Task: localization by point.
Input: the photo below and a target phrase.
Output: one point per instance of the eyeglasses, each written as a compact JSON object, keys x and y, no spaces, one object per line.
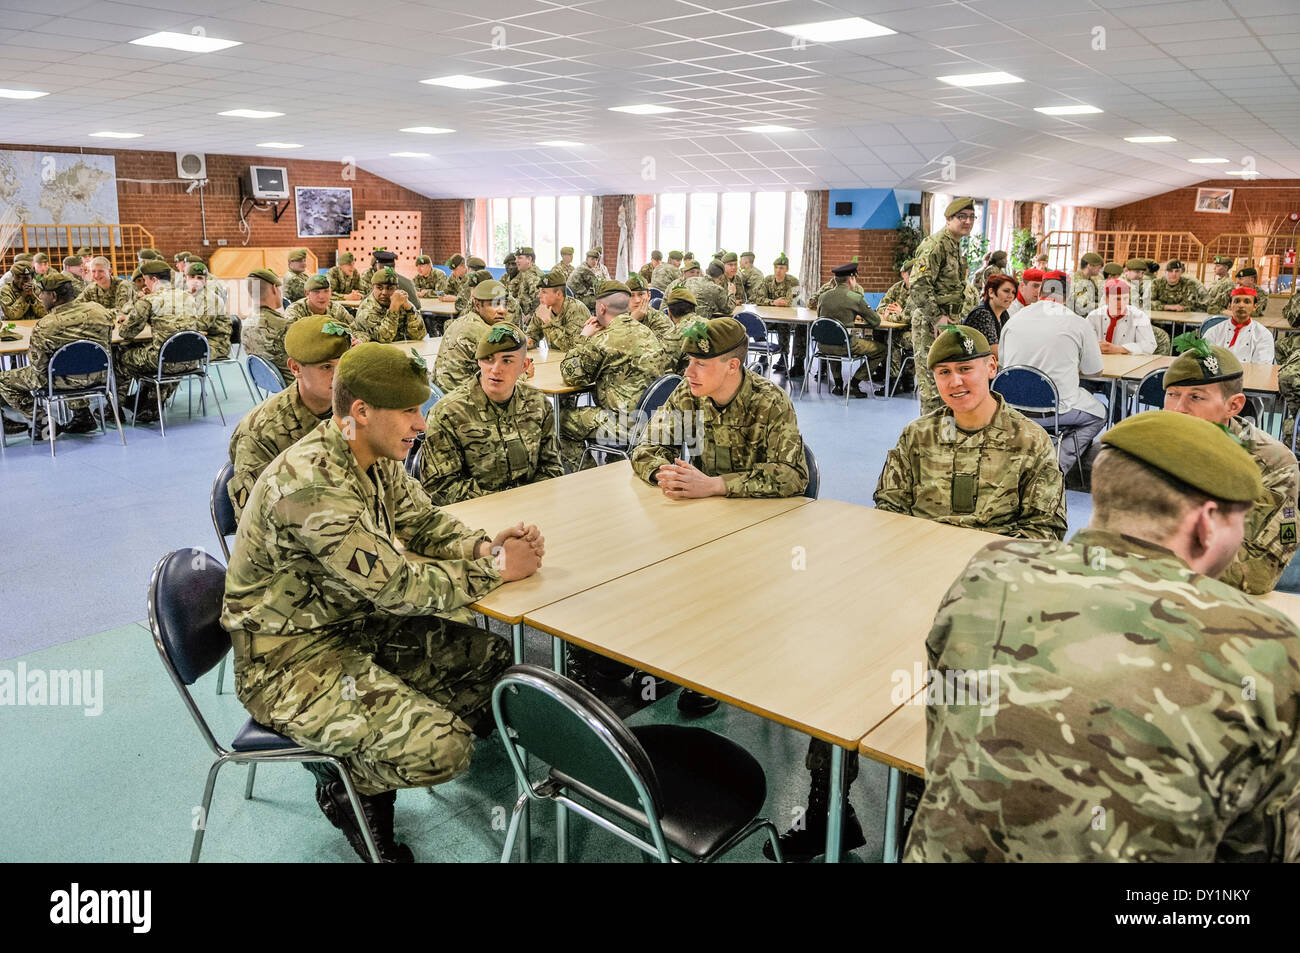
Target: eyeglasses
{"x":964,"y":217}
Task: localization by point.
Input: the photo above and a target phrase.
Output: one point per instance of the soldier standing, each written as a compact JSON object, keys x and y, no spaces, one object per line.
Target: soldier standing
{"x":939,"y":289}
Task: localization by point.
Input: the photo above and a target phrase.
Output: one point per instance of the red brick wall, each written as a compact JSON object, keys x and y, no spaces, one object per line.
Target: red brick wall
{"x":1172,"y":211}
{"x":173,"y":217}
{"x":874,"y":248}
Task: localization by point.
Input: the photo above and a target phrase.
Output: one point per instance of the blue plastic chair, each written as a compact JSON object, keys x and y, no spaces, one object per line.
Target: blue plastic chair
{"x":236,"y":332}
{"x":1030,"y":391}
{"x":1151,"y":392}
{"x":656,"y":297}
{"x":183,"y":347}
{"x":266,"y":378}
{"x":760,"y":337}
{"x":813,"y":489}
{"x":224,"y":522}
{"x":78,"y":358}
{"x":1211,"y":322}
{"x":828,"y":331}
{"x":654,"y":397}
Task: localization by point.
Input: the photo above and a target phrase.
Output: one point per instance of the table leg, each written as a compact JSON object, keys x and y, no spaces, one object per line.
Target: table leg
{"x":889,"y":356}
{"x":525,"y":831}
{"x":555,"y":405}
{"x":835,"y":807}
{"x":893,"y":815}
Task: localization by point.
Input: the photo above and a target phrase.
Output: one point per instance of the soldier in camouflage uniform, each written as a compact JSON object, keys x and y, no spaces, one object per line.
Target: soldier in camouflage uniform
{"x":281,"y":420}
{"x":1117,"y":663}
{"x":620,"y":357}
{"x":781,"y":290}
{"x":893,"y":307}
{"x":1175,"y":292}
{"x":679,"y":306}
{"x":511,"y":277}
{"x":345,"y":280}
{"x":640,"y":308}
{"x":995,"y":263}
{"x":1246,"y":278}
{"x":750,"y":274}
{"x":67,"y":319}
{"x":583,"y":281}
{"x":940,"y":293}
{"x":1221,"y":284}
{"x":209,"y":311}
{"x":344,"y":643}
{"x":711,"y":299}
{"x":565,"y":265}
{"x":456,"y":280}
{"x":456,"y":362}
{"x":647,"y":270}
{"x":732,"y":283}
{"x":846,"y":304}
{"x":465,"y":300}
{"x":19,"y":299}
{"x":167,"y":310}
{"x":266,"y":337}
{"x":428,"y":280}
{"x":1086,"y":285}
{"x":295,"y":279}
{"x":530,"y":279}
{"x":74,"y":267}
{"x":557,"y":317}
{"x":106,"y":289}
{"x":1206,"y":382}
{"x":491,"y":433}
{"x":664,"y":275}
{"x":387,"y":314}
{"x":318,"y":300}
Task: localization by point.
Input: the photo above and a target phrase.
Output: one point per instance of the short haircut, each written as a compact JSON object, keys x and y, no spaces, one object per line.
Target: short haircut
{"x":680,"y":307}
{"x":101,"y":263}
{"x":1135,"y":497}
{"x":66,"y":292}
{"x":992,"y":285}
{"x":617,"y":302}
{"x":342,"y":398}
{"x":1232,"y":388}
{"x":740,"y":351}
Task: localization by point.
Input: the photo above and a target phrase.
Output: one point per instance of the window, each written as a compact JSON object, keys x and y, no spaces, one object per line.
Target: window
{"x":570,"y":233}
{"x":545,"y":222}
{"x":735,"y":222}
{"x":544,"y":230}
{"x":521,"y":222}
{"x":794,"y":231}
{"x":703,"y":226}
{"x":671,"y":211}
{"x":500,"y":231}
{"x":769,"y":228}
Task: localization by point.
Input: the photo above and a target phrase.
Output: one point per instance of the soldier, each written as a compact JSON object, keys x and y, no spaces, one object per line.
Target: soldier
{"x":1221,"y":285}
{"x":318,"y":300}
{"x":106,"y":289}
{"x":428,"y":281}
{"x":1121,"y":329}
{"x":456,"y":281}
{"x":209,"y":311}
{"x":665,"y":274}
{"x":995,"y":263}
{"x":465,"y":301}
{"x":64,"y":319}
{"x":345,"y":282}
{"x":75,"y":268}
{"x":1246,"y":278}
{"x":1288,"y":375}
{"x":939,"y":289}
{"x":383,"y":258}
{"x":456,"y":362}
{"x":314,"y":345}
{"x":750,"y":274}
{"x":296,"y":277}
{"x":1085,"y":285}
{"x":596,"y":265}
{"x":530,"y":279}
{"x":648,"y":269}
{"x":1140,"y":284}
{"x":40,"y":263}
{"x":565,"y":265}
{"x":557,"y":318}
{"x":690,"y":269}
{"x":617,"y":355}
{"x":387,"y":315}
{"x":1116,"y":661}
{"x":584,"y":279}
{"x":1173,"y":292}
{"x":1249,"y":340}
{"x":318,"y":596}
{"x":711,"y":298}
{"x":679,"y":305}
{"x":511,"y":275}
{"x":490,"y":433}
{"x":266,"y":337}
{"x":781,"y":290}
{"x":167,"y":311}
{"x":23,"y":258}
{"x":1207,"y":383}
{"x":137,"y":283}
{"x":893,"y":307}
{"x":19,"y":299}
{"x":846,"y":304}
{"x":732,"y":283}
{"x":640,"y":308}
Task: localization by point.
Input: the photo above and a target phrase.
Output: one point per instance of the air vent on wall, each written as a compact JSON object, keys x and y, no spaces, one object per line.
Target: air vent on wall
{"x":191,"y":165}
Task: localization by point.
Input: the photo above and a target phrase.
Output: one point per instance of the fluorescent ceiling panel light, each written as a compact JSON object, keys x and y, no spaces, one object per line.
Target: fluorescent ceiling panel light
{"x":767,"y":129}
{"x":1246,"y":172}
{"x":1079,"y":110}
{"x":117,"y":135}
{"x":1149,"y":139}
{"x":250,"y":114}
{"x":643,"y":109}
{"x":1208,"y":161}
{"x":829,"y":31}
{"x":409,"y":155}
{"x":460,"y":81}
{"x":560,"y":144}
{"x":427,"y":130}
{"x":186,"y":42}
{"x":979,"y":79}
{"x":279,"y":145}
{"x":21,"y":94}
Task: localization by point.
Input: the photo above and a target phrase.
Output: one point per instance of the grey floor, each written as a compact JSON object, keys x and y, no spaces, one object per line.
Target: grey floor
{"x":81,"y":534}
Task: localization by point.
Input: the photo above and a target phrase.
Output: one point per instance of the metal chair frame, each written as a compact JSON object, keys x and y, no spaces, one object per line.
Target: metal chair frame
{"x":106,"y":392}
{"x":201,"y":373}
{"x":236,"y":333}
{"x":223,"y":530}
{"x":650,"y":401}
{"x":846,"y":362}
{"x":264,"y":374}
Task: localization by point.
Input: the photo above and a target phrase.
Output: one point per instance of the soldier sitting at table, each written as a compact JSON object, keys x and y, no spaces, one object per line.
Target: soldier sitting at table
{"x":20,"y":299}
{"x":846,"y":304}
{"x":265,"y":339}
{"x":387,"y":314}
{"x":457,"y":361}
{"x":558,"y":318}
{"x":490,"y":433}
{"x":167,"y":311}
{"x":318,"y":300}
{"x":641,"y":309}
{"x":210,"y":311}
{"x":428,"y":280}
{"x":344,"y":279}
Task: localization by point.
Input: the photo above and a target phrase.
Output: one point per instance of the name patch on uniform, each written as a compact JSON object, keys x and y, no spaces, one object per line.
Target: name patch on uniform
{"x":362,"y":563}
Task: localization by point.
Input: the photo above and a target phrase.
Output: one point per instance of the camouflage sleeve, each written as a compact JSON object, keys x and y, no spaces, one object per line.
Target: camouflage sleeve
{"x":581,"y":365}
{"x":922,"y":299}
{"x":415,"y":329}
{"x":40,"y":348}
{"x":1261,"y":303}
{"x":534,"y":329}
{"x":121,"y":298}
{"x":785,"y":471}
{"x":382,"y":325}
{"x":1270,"y":538}
{"x":895,"y":490}
{"x":1217,"y":302}
{"x":661,"y":442}
{"x":249,"y":459}
{"x":812,"y":302}
{"x":137,"y":316}
{"x":548,"y":454}
{"x":1042,"y":497}
{"x":762,"y":293}
{"x":330,"y":523}
{"x":1292,"y":311}
{"x":443,"y":472}
{"x":427,"y":530}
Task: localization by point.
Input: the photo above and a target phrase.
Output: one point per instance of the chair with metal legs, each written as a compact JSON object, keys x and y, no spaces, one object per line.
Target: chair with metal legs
{"x":233,"y":360}
{"x":266,"y":377}
{"x":827,"y":332}
{"x":80,"y":358}
{"x":183,"y":347}
{"x":224,"y":522}
{"x":650,"y":401}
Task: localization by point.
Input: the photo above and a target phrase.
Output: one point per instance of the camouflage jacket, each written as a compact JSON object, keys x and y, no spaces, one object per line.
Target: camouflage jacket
{"x":526,"y":289}
{"x":897,"y":294}
{"x":475,"y":446}
{"x":456,"y":362}
{"x":664,"y":275}
{"x":752,"y":277}
{"x":565,"y":329}
{"x":341,"y":284}
{"x":621,"y":360}
{"x":63,"y":324}
{"x":18,"y":307}
{"x":1292,"y":311}
{"x":647,"y":271}
{"x":266,"y":431}
{"x":1002,"y":479}
{"x":167,"y":311}
{"x":456,"y":284}
{"x":817,"y":295}
{"x":769,"y":290}
{"x":210,"y":312}
{"x":1189,"y":293}
{"x":266,"y":339}
{"x":336,"y":312}
{"x":374,"y":322}
{"x":753,"y":442}
{"x":430,"y":284}
{"x":403,"y":283}
{"x":116,"y":298}
{"x":582,"y":284}
{"x":1085,"y":294}
{"x":658,"y":322}
{"x":939,"y":290}
{"x":294,"y":285}
{"x":711,"y":299}
{"x":319,"y":550}
{"x":514,"y":314}
{"x":1144,"y":712}
{"x":736,"y":290}
{"x":980,"y":277}
{"x":1270,"y":539}
{"x":563,"y":269}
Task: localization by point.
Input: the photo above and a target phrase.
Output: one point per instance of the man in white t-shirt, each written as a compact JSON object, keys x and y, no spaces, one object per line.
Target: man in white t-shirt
{"x":1249,"y":341}
{"x":1119,"y":327}
{"x":1050,"y":337}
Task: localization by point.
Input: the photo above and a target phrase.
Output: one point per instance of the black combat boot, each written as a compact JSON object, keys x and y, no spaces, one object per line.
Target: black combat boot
{"x":83,"y":421}
{"x":801,"y":845}
{"x":332,"y":798}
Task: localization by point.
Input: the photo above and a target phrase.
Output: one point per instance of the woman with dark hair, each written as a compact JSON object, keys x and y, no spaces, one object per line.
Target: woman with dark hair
{"x":987,"y":318}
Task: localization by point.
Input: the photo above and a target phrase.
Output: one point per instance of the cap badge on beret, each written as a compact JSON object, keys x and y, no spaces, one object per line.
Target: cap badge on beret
{"x":698,"y":331}
{"x":1197,"y":345}
{"x":333,"y":327}
{"x":502,"y":331}
{"x":418,"y":363}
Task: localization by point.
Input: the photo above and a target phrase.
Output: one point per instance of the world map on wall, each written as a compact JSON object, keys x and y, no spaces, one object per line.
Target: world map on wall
{"x":57,"y":188}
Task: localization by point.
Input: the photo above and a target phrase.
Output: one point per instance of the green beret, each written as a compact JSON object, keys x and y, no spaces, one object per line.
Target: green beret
{"x":729,"y":257}
{"x":384,"y":376}
{"x":53,"y":279}
{"x":137,"y":273}
{"x":155,"y":266}
{"x":149,"y":253}
{"x":552,"y":279}
{"x":681,"y":294}
{"x":957,"y":343}
{"x":266,"y":274}
{"x":715,"y":269}
{"x":1194,"y":451}
{"x":1135,"y":264}
{"x":1247,"y":272}
{"x":1222,"y":260}
{"x":72,"y":261}
{"x":690,"y":264}
{"x":476,"y":263}
{"x":84,"y":252}
{"x":423,"y":260}
{"x":509,"y":259}
{"x":959,"y":204}
{"x":40,"y":257}
{"x":316,"y":339}
{"x":566,"y":250}
{"x":526,"y":250}
{"x":1174,"y":263}
{"x":781,"y":259}
{"x":455,"y":261}
{"x":748,"y":254}
{"x":656,"y":255}
{"x":474,"y":277}
{"x":22,"y":269}
{"x":1199,"y":363}
{"x":383,"y":276}
{"x":907,"y":265}
{"x":488,"y":289}
{"x":1000,"y":259}
{"x":634,"y":283}
{"x":593,"y":252}
{"x":316,"y":283}
{"x":713,"y":338}
{"x":1092,"y":258}
{"x":345,"y":258}
{"x":298,"y":254}
{"x":197,"y":268}
{"x":504,"y":336}
{"x":180,"y":256}
{"x":23,"y":256}
{"x":607,"y":288}
{"x":674,"y":256}
{"x":1112,"y":269}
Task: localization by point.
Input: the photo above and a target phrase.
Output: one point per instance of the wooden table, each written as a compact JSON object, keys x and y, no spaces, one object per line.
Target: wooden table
{"x":1116,"y":368}
{"x":446,"y":309}
{"x":548,"y":379}
{"x":17,"y":350}
{"x":1287,"y":603}
{"x":1258,"y":378}
{"x":806,"y":317}
{"x":798,"y":638}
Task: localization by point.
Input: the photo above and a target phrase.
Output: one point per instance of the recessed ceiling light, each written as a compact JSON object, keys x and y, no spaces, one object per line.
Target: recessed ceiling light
{"x":279,"y":145}
{"x":427,"y":130}
{"x":409,"y":155}
{"x":186,"y":42}
{"x":643,"y":109}
{"x":117,"y":135}
{"x":828,"y":31}
{"x":250,"y":113}
{"x":460,"y":81}
{"x":1079,"y":110}
{"x":22,"y":93}
{"x":1145,"y":139}
{"x":767,"y":129}
{"x":1208,"y":161}
{"x":979,"y":79}
{"x":560,"y":144}
{"x":1242,"y":172}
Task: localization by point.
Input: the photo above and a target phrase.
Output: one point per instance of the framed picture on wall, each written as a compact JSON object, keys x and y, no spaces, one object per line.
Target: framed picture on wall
{"x":323,"y":213}
{"x":1214,"y":200}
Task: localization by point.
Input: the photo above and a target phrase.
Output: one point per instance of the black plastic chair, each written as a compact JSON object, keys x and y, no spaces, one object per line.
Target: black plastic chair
{"x":224,"y":522}
{"x":1151,"y":391}
{"x":236,"y":330}
{"x":77,"y":359}
{"x":829,"y":332}
{"x":183,"y":347}
{"x":760,"y":337}
{"x":813,"y":489}
{"x":1211,"y":322}
{"x":185,"y":593}
{"x":1030,"y":391}
{"x":656,"y":297}
{"x":694,"y":793}
{"x":266,"y":377}
{"x":654,"y":397}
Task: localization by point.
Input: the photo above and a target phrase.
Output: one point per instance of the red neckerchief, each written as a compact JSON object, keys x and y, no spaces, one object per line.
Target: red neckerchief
{"x":1022,"y":301}
{"x":1236,"y":329}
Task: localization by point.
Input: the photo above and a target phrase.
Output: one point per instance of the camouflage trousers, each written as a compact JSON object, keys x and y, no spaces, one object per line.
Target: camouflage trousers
{"x":869,"y":348}
{"x":922,"y":338}
{"x":783,"y":333}
{"x":16,"y":387}
{"x":397,"y":699}
{"x":130,"y":363}
{"x":582,"y":423}
{"x":1287,"y":357}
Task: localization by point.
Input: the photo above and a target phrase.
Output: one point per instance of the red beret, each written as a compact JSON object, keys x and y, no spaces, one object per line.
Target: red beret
{"x":1243,"y":290}
{"x":1031,"y":274}
{"x":1053,"y":276}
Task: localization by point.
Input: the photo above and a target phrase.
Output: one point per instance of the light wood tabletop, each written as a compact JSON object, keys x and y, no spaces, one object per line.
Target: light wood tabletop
{"x":25,"y":326}
{"x":771,"y":313}
{"x":1178,"y":317}
{"x":1119,"y":366}
{"x":549,"y":381}
{"x":1287,"y":603}
{"x":1260,"y":378}
{"x":790,"y":628}
{"x":427,"y":348}
{"x":600,"y":524}
{"x":437,"y":306}
{"x":899,"y":740}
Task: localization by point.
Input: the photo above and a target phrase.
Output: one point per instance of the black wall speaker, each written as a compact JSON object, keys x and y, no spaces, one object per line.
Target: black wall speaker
{"x":914,"y":209}
{"x":843,"y":208}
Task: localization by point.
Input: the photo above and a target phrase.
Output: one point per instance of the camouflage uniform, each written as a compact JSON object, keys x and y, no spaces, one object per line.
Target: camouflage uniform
{"x":752,"y":277}
{"x":1270,"y":539}
{"x":711,"y":299}
{"x":1017,"y":485}
{"x":266,"y":339}
{"x":753,"y":442}
{"x":939,"y":295}
{"x":582,"y":285}
{"x":897,"y":294}
{"x":266,"y":431}
{"x":430,"y":285}
{"x":621,"y":360}
{"x":17,"y":306}
{"x":843,"y":304}
{"x":563,"y":269}
{"x":1188,"y":292}
{"x":116,"y":298}
{"x":403,"y":283}
{"x":1216,"y":302}
{"x":213,"y":320}
{"x":456,"y":363}
{"x":456,"y":284}
{"x":341,"y":284}
{"x":647,"y":271}
{"x":979,"y":278}
{"x":817,"y":295}
{"x":374,"y":322}
{"x":658,"y":322}
{"x":526,"y":286}
{"x":167,"y":310}
{"x":736,"y":291}
{"x":1122,"y":731}
{"x":475,"y":446}
{"x":336,"y":312}
{"x":465,"y":303}
{"x":1086,"y":294}
{"x":565,"y":328}
{"x":337,"y":636}
{"x":63,"y":324}
{"x":767,"y":290}
{"x":294,"y":285}
{"x":664,"y":275}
